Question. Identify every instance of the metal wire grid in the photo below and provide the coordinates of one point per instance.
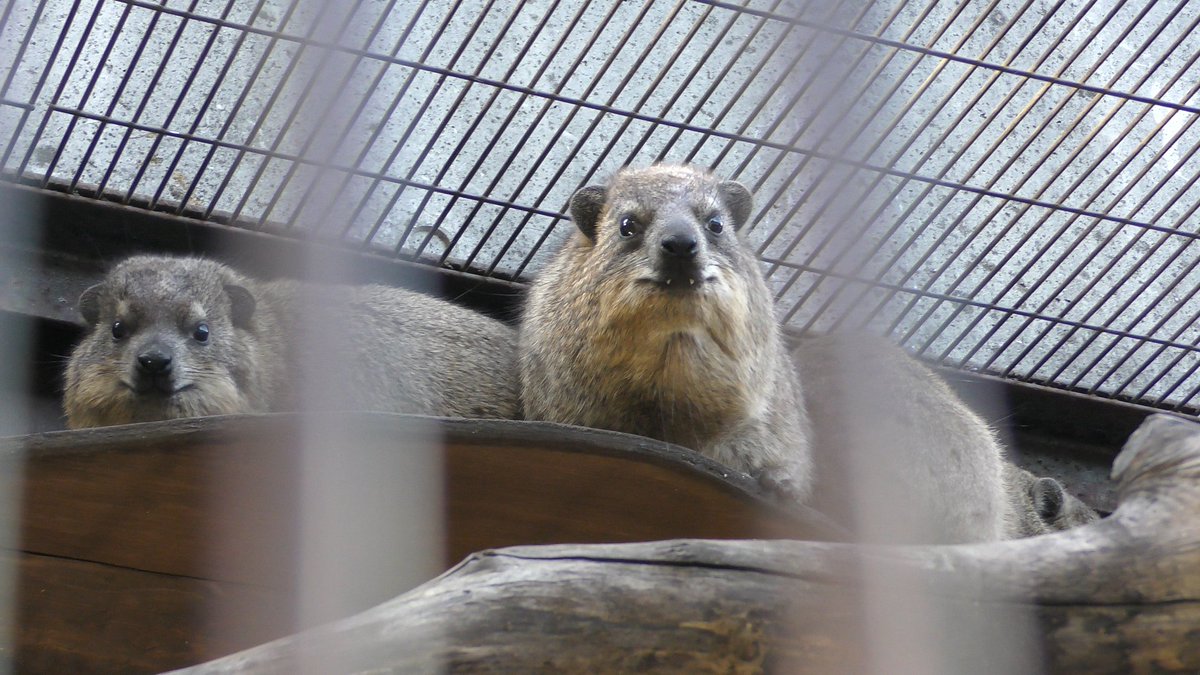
(1002, 186)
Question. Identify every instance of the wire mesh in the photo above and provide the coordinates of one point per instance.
(1003, 186)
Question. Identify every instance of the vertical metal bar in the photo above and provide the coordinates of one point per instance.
(262, 117)
(357, 115)
(293, 114)
(485, 108)
(429, 146)
(458, 100)
(22, 44)
(899, 220)
(408, 130)
(784, 114)
(230, 56)
(6, 89)
(326, 110)
(87, 31)
(125, 81)
(840, 256)
(862, 128)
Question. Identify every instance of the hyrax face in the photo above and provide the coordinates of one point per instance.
(165, 340)
(667, 234)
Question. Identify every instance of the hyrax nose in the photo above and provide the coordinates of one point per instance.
(680, 244)
(154, 361)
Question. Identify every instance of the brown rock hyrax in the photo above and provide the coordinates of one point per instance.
(183, 337)
(654, 319)
(900, 458)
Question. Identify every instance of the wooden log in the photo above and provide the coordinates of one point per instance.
(1121, 595)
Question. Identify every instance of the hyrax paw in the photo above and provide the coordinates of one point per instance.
(783, 488)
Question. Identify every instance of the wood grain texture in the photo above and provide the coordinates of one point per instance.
(216, 502)
(1120, 595)
(75, 616)
(156, 496)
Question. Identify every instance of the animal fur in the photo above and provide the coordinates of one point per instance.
(395, 350)
(621, 333)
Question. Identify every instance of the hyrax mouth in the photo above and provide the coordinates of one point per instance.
(162, 389)
(678, 286)
(679, 278)
(162, 386)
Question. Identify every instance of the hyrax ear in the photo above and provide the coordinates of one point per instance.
(89, 304)
(738, 200)
(241, 305)
(586, 205)
(1048, 497)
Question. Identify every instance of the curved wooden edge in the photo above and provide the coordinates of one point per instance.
(561, 437)
(1160, 456)
(1117, 595)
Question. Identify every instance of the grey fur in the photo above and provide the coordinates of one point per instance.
(902, 459)
(607, 343)
(1042, 505)
(396, 350)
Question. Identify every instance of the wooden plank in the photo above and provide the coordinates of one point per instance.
(216, 498)
(159, 545)
(75, 616)
(170, 505)
(498, 494)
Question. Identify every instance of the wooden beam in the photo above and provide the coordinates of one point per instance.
(160, 496)
(215, 504)
(75, 616)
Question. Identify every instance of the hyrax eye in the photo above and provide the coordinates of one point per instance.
(629, 226)
(201, 332)
(119, 330)
(715, 225)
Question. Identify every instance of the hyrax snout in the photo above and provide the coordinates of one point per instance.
(655, 319)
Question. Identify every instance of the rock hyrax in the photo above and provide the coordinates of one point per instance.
(182, 337)
(900, 458)
(654, 319)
